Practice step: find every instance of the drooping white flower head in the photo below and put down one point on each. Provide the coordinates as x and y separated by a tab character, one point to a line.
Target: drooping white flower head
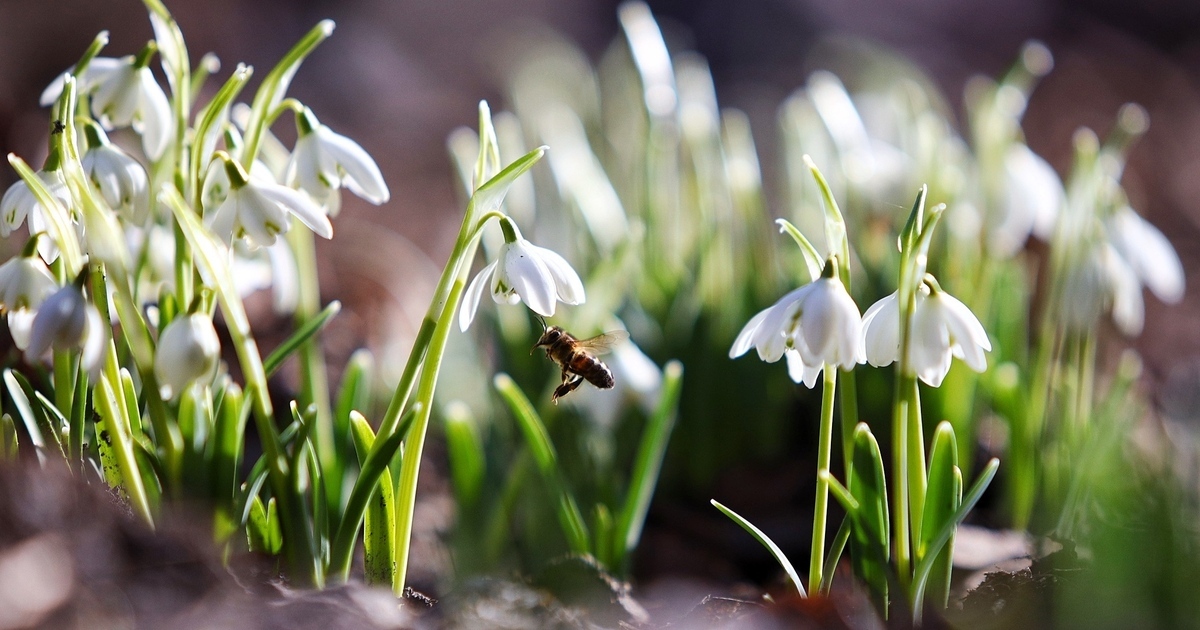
324	161
1033	196
260	210
942	327
816	325
25	282
121	180
188	349
1099	281
124	93
1148	253
67	321
20	203
525	272
636	378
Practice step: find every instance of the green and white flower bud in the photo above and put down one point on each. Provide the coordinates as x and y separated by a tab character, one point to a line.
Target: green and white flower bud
121	180
67	321
188	350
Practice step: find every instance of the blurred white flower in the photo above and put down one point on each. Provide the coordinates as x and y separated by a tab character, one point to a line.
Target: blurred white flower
523	271
188	349
816	325
636	379
259	210
324	161
942	327
1100	281
1031	200
1148	253
67	321
124	93
25	282
121	180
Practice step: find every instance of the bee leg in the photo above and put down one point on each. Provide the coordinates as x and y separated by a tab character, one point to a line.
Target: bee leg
569	385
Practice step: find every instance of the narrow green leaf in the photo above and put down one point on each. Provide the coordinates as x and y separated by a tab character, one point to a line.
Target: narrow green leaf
812	258
835	225
941	500
648	462
370	473
871	541
465	450
228	436
380	517
835	553
17	388
264	531
8	437
765	541
113	418
490	195
544	455
293	343
921	575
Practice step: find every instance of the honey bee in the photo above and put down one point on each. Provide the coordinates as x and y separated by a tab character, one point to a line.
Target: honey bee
577	358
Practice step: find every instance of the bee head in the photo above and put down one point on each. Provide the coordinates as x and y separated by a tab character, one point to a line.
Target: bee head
548	338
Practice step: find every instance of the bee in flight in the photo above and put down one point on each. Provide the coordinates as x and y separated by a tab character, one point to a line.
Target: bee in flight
577	358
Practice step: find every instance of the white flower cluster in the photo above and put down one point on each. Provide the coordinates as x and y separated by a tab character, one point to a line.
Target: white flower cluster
102	189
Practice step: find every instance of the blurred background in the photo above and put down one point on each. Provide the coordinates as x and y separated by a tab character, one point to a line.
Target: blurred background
399	76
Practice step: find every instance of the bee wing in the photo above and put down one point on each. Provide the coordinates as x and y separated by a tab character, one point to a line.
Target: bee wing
601	344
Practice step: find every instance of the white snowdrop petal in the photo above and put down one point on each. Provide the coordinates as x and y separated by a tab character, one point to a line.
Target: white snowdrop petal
799	372
20	326
528	276
297	203
966	333
470	300
94	340
363	177
1150	254
154	111
745	338
566	282
881	331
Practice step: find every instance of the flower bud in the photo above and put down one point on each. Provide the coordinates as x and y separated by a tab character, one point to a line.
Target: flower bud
188	349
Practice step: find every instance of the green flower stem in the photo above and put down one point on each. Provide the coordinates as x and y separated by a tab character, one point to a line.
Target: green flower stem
314	380
824	454
275	85
916	458
406	495
900	534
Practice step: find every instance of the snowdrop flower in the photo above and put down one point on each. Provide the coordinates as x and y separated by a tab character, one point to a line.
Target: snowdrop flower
66	321
1102	280
1148	253
814	326
942	327
120	179
259	210
25	282
20	203
188	349
124	93
1033	195
523	271
324	161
